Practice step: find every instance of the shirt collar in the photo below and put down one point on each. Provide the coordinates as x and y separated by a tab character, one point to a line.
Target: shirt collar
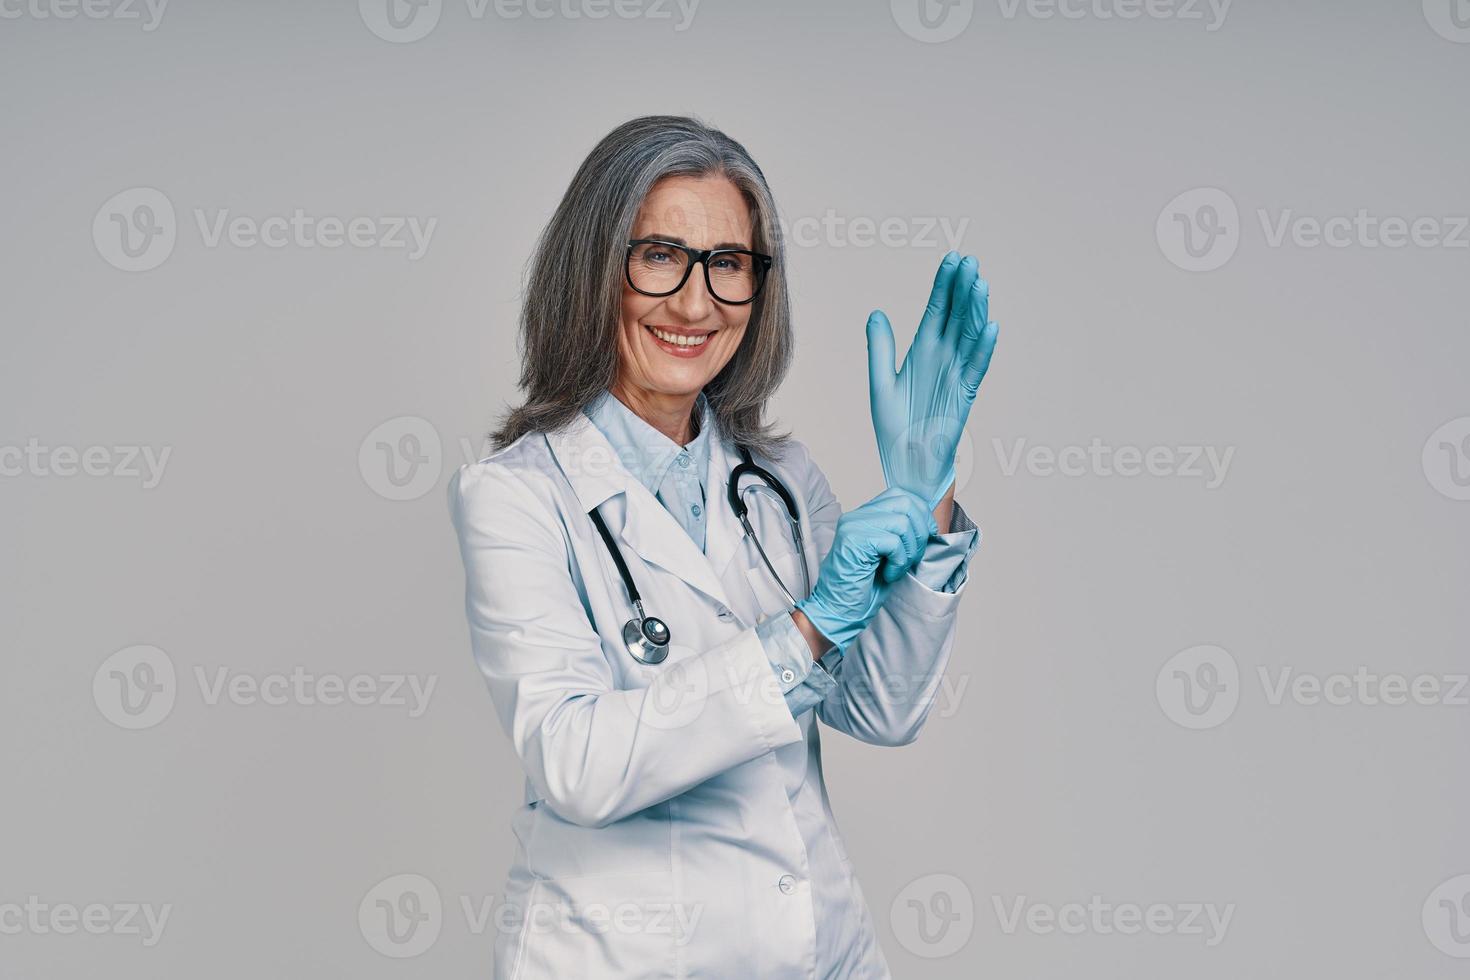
645	451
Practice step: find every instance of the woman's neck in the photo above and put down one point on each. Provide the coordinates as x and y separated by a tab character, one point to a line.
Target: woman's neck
673	415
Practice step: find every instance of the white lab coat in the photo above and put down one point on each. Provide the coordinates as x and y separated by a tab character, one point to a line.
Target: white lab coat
675	821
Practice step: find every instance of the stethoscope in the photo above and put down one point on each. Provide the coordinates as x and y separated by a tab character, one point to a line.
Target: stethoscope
647	637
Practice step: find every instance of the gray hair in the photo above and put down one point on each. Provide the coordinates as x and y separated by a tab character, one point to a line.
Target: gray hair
570	315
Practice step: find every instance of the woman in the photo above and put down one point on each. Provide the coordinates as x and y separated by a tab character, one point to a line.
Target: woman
660	675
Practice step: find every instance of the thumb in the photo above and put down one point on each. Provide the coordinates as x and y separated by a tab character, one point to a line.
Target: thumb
880	355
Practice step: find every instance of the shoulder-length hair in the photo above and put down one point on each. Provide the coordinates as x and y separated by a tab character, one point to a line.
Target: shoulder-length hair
570	315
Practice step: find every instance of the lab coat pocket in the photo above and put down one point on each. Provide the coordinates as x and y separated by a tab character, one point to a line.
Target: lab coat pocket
605	926
768	594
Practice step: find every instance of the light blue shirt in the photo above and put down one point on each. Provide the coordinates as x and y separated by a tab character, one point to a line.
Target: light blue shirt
675	475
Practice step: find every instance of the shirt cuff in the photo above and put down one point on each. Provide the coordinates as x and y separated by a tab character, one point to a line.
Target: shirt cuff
944	566
802	682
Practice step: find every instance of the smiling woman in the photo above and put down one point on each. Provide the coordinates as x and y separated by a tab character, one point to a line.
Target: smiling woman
673	765
592	301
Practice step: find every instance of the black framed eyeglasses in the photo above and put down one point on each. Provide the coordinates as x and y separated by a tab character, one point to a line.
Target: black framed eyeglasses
734	276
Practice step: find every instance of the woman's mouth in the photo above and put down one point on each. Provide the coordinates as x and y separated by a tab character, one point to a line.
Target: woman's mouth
678	343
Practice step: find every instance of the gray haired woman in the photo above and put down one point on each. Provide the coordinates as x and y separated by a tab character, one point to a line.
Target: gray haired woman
638	556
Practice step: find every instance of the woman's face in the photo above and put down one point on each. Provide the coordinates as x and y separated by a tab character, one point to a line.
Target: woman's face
701	212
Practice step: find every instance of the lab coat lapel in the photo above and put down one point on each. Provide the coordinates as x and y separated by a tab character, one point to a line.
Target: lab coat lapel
722	529
596	474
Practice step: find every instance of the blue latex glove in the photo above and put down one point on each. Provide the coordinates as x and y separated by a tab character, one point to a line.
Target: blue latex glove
919	414
893	529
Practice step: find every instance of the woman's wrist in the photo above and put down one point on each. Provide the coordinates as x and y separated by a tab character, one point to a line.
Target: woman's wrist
815	639
944	513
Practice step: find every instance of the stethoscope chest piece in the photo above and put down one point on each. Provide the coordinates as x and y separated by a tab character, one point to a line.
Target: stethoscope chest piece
647	639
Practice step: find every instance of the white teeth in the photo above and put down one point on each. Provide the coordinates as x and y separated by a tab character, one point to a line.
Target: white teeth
679	340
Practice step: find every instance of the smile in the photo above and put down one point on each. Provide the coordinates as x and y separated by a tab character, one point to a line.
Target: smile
682	339
680	344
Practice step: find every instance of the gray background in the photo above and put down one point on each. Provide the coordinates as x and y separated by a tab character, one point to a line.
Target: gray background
1335	541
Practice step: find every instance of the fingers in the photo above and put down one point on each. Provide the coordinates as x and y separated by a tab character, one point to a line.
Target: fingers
904	515
910	504
977	301
978	360
891	552
961	290
881	371
931	327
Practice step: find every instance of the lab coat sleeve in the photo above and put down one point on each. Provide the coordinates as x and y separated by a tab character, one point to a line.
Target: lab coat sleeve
889	676
594	752
945	563
802	681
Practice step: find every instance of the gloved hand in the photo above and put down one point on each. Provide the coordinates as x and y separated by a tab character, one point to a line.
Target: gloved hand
892	528
919	414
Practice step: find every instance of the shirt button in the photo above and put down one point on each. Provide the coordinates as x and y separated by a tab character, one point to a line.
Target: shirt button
697	510
684	459
787	675
787	884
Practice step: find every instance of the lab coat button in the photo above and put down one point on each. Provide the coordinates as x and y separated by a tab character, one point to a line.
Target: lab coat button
787	884
724	613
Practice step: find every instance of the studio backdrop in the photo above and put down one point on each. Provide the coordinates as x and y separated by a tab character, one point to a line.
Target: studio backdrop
1206	714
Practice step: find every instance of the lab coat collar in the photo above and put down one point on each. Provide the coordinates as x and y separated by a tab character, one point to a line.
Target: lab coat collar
645	451
597	475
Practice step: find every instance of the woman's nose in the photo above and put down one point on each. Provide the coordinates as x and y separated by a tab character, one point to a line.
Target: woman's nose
692	302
